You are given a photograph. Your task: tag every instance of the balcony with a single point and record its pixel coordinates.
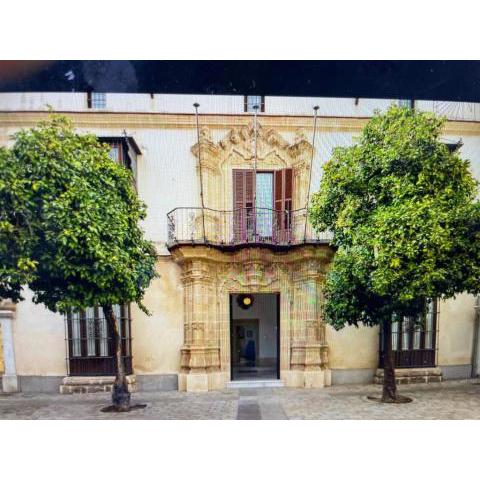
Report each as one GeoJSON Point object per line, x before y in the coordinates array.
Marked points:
{"type": "Point", "coordinates": [229, 229]}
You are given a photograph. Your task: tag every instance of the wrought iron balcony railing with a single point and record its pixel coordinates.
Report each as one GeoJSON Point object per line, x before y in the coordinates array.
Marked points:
{"type": "Point", "coordinates": [229, 228]}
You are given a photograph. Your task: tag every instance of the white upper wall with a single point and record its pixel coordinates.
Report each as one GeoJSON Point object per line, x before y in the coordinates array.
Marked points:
{"type": "Point", "coordinates": [468, 111]}
{"type": "Point", "coordinates": [63, 101]}
{"type": "Point", "coordinates": [122, 102]}
{"type": "Point", "coordinates": [332, 107]}
{"type": "Point", "coordinates": [226, 104]}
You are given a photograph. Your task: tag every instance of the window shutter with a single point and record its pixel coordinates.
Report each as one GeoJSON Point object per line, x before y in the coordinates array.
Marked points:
{"type": "Point", "coordinates": [249, 188]}
{"type": "Point", "coordinates": [243, 195]}
{"type": "Point", "coordinates": [283, 189]}
{"type": "Point", "coordinates": [278, 189]}
{"type": "Point", "coordinates": [243, 188]}
{"type": "Point", "coordinates": [288, 181]}
{"type": "Point", "coordinates": [238, 190]}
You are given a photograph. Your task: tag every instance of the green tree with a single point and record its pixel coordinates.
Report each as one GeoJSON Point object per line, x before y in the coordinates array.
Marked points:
{"type": "Point", "coordinates": [82, 214]}
{"type": "Point", "coordinates": [16, 265]}
{"type": "Point", "coordinates": [402, 209]}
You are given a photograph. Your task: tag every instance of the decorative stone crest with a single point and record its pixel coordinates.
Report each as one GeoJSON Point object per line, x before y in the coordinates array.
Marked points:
{"type": "Point", "coordinates": [236, 150]}
{"type": "Point", "coordinates": [241, 140]}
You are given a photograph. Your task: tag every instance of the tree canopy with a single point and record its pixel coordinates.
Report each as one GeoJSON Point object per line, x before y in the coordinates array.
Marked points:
{"type": "Point", "coordinates": [16, 264]}
{"type": "Point", "coordinates": [80, 213]}
{"type": "Point", "coordinates": [402, 208]}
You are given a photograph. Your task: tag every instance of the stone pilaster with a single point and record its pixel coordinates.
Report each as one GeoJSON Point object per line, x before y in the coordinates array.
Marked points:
{"type": "Point", "coordinates": [200, 354]}
{"type": "Point", "coordinates": [308, 360]}
{"type": "Point", "coordinates": [9, 378]}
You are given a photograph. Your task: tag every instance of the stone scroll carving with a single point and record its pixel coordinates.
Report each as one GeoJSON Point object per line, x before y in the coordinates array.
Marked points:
{"type": "Point", "coordinates": [236, 150]}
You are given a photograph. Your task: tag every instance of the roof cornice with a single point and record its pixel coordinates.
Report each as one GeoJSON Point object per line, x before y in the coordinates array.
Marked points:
{"type": "Point", "coordinates": [132, 120]}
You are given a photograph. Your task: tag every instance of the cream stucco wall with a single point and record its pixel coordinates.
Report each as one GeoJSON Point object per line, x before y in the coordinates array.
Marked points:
{"type": "Point", "coordinates": [455, 330]}
{"type": "Point", "coordinates": [39, 339]}
{"type": "Point", "coordinates": [157, 339]}
{"type": "Point", "coordinates": [353, 347]}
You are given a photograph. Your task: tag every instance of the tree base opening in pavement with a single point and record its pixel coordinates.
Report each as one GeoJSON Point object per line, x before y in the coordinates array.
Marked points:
{"type": "Point", "coordinates": [399, 399]}
{"type": "Point", "coordinates": [115, 408]}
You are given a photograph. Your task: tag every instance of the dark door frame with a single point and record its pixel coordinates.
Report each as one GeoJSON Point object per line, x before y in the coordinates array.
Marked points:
{"type": "Point", "coordinates": [277, 306]}
{"type": "Point", "coordinates": [277, 295]}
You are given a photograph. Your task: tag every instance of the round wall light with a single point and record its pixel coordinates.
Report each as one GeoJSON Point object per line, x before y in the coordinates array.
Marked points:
{"type": "Point", "coordinates": [245, 301]}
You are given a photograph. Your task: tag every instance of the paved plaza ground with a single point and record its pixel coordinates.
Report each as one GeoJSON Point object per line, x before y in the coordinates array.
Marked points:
{"type": "Point", "coordinates": [448, 400]}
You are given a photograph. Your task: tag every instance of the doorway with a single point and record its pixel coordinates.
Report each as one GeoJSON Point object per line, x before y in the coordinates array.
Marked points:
{"type": "Point", "coordinates": [254, 336]}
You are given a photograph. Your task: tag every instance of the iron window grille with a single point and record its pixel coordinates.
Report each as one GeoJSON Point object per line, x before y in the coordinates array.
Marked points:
{"type": "Point", "coordinates": [90, 344]}
{"type": "Point", "coordinates": [97, 100]}
{"type": "Point", "coordinates": [414, 341]}
{"type": "Point", "coordinates": [251, 100]}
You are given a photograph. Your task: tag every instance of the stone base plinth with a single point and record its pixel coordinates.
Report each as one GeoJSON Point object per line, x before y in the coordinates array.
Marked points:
{"type": "Point", "coordinates": [307, 378]}
{"type": "Point", "coordinates": [93, 384]}
{"type": "Point", "coordinates": [202, 382]}
{"type": "Point", "coordinates": [412, 375]}
{"type": "Point", "coordinates": [9, 383]}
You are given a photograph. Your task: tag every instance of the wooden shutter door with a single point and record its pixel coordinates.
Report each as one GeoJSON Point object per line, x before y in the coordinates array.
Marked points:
{"type": "Point", "coordinates": [283, 193]}
{"type": "Point", "coordinates": [243, 194]}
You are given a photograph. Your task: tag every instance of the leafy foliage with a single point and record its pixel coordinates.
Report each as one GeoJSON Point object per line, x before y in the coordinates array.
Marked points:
{"type": "Point", "coordinates": [405, 220]}
{"type": "Point", "coordinates": [82, 214]}
{"type": "Point", "coordinates": [16, 264]}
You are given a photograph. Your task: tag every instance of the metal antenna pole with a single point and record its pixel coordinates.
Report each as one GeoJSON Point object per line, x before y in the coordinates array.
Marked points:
{"type": "Point", "coordinates": [315, 111]}
{"type": "Point", "coordinates": [255, 109]}
{"type": "Point", "coordinates": [196, 105]}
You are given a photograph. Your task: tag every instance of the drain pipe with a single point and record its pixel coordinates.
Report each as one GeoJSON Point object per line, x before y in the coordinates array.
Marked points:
{"type": "Point", "coordinates": [474, 372]}
{"type": "Point", "coordinates": [196, 105]}
{"type": "Point", "coordinates": [315, 112]}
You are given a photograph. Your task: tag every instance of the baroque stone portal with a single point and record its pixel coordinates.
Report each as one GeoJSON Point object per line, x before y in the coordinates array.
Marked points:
{"type": "Point", "coordinates": [209, 276]}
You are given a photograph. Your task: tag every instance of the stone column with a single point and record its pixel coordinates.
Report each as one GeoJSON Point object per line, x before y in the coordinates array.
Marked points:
{"type": "Point", "coordinates": [9, 378]}
{"type": "Point", "coordinates": [200, 355]}
{"type": "Point", "coordinates": [308, 364]}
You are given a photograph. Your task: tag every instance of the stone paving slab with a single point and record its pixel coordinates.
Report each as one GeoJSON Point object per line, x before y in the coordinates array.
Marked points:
{"type": "Point", "coordinates": [447, 400]}
{"type": "Point", "coordinates": [248, 410]}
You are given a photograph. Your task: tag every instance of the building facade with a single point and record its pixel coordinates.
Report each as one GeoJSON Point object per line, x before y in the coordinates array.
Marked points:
{"type": "Point", "coordinates": [241, 271]}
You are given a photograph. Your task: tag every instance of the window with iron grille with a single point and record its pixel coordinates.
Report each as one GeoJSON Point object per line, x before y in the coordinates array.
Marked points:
{"type": "Point", "coordinates": [414, 340]}
{"type": "Point", "coordinates": [90, 343]}
{"type": "Point", "coordinates": [97, 100]}
{"type": "Point", "coordinates": [251, 101]}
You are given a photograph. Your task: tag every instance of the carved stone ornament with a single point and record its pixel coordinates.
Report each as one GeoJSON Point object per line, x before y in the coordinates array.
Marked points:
{"type": "Point", "coordinates": [212, 275]}
{"type": "Point", "coordinates": [241, 141]}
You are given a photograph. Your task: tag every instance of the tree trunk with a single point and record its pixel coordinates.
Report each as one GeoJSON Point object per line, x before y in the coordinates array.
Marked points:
{"type": "Point", "coordinates": [389, 394]}
{"type": "Point", "coordinates": [120, 393]}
